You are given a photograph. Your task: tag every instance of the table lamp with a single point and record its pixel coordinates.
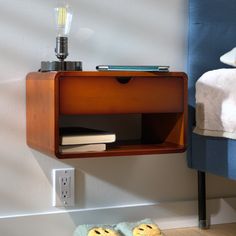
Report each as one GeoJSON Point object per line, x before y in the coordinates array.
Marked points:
{"type": "Point", "coordinates": [63, 17]}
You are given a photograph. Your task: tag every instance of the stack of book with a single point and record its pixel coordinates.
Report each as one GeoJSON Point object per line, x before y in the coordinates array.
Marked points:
{"type": "Point", "coordinates": [81, 139]}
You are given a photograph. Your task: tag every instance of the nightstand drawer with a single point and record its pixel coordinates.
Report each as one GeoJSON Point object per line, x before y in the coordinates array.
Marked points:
{"type": "Point", "coordinates": [120, 95]}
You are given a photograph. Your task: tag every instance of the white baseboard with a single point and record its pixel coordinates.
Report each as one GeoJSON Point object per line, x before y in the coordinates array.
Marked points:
{"type": "Point", "coordinates": [166, 215]}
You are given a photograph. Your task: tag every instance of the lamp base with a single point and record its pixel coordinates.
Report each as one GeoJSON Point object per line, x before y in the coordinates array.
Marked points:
{"type": "Point", "coordinates": [47, 66]}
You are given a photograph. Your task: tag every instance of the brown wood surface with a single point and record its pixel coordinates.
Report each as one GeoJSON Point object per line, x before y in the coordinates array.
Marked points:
{"type": "Point", "coordinates": [125, 150]}
{"type": "Point", "coordinates": [167, 127]}
{"type": "Point", "coordinates": [105, 95]}
{"type": "Point", "coordinates": [161, 98]}
{"type": "Point", "coordinates": [42, 112]}
{"type": "Point", "coordinates": [163, 127]}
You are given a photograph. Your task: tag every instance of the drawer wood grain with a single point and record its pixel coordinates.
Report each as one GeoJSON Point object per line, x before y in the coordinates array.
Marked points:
{"type": "Point", "coordinates": [109, 96]}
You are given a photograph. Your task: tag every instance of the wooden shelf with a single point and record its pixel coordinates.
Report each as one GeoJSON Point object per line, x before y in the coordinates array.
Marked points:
{"type": "Point", "coordinates": [160, 99]}
{"type": "Point", "coordinates": [125, 150]}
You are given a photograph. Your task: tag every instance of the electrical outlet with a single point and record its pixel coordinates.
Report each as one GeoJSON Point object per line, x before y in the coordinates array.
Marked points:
{"type": "Point", "coordinates": [63, 187]}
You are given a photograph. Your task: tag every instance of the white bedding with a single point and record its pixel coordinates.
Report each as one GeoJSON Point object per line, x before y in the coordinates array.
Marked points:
{"type": "Point", "coordinates": [229, 58]}
{"type": "Point", "coordinates": [216, 103]}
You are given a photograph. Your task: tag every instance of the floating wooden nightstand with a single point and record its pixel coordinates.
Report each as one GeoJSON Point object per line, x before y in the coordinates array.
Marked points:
{"type": "Point", "coordinates": [159, 98]}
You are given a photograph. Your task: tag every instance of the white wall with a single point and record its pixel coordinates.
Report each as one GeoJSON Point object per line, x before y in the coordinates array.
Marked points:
{"type": "Point", "coordinates": [103, 32]}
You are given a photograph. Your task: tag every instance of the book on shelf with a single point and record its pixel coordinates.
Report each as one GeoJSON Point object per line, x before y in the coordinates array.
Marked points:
{"type": "Point", "coordinates": [98, 147]}
{"type": "Point", "coordinates": [82, 135]}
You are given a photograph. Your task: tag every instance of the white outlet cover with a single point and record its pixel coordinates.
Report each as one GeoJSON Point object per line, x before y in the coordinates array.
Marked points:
{"type": "Point", "coordinates": [63, 187]}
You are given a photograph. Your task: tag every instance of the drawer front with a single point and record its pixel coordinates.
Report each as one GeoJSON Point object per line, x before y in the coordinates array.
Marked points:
{"type": "Point", "coordinates": [111, 95]}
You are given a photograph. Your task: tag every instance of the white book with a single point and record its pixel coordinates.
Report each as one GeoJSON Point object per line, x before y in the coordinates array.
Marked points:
{"type": "Point", "coordinates": [82, 148]}
{"type": "Point", "coordinates": [81, 135]}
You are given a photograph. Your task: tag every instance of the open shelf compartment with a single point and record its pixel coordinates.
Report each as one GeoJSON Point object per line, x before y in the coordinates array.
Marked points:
{"type": "Point", "coordinates": [136, 134]}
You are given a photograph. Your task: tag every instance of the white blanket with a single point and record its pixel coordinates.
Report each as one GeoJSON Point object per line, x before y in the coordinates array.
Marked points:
{"type": "Point", "coordinates": [216, 104]}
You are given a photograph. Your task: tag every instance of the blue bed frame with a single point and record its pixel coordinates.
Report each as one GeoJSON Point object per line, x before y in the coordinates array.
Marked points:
{"type": "Point", "coordinates": [212, 32]}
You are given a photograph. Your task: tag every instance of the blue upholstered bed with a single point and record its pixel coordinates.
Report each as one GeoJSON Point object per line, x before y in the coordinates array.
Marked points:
{"type": "Point", "coordinates": [212, 32]}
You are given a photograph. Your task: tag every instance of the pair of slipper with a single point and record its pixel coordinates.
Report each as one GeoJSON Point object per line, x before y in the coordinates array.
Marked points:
{"type": "Point", "coordinates": [141, 228]}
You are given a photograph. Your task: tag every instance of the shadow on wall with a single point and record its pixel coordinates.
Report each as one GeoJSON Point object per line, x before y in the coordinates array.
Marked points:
{"type": "Point", "coordinates": [25, 36]}
{"type": "Point", "coordinates": [99, 34]}
{"type": "Point", "coordinates": [117, 36]}
{"type": "Point", "coordinates": [130, 186]}
{"type": "Point", "coordinates": [135, 180]}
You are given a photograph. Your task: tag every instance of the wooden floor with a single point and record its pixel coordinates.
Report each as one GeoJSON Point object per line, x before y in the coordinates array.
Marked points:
{"type": "Point", "coordinates": [214, 230]}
